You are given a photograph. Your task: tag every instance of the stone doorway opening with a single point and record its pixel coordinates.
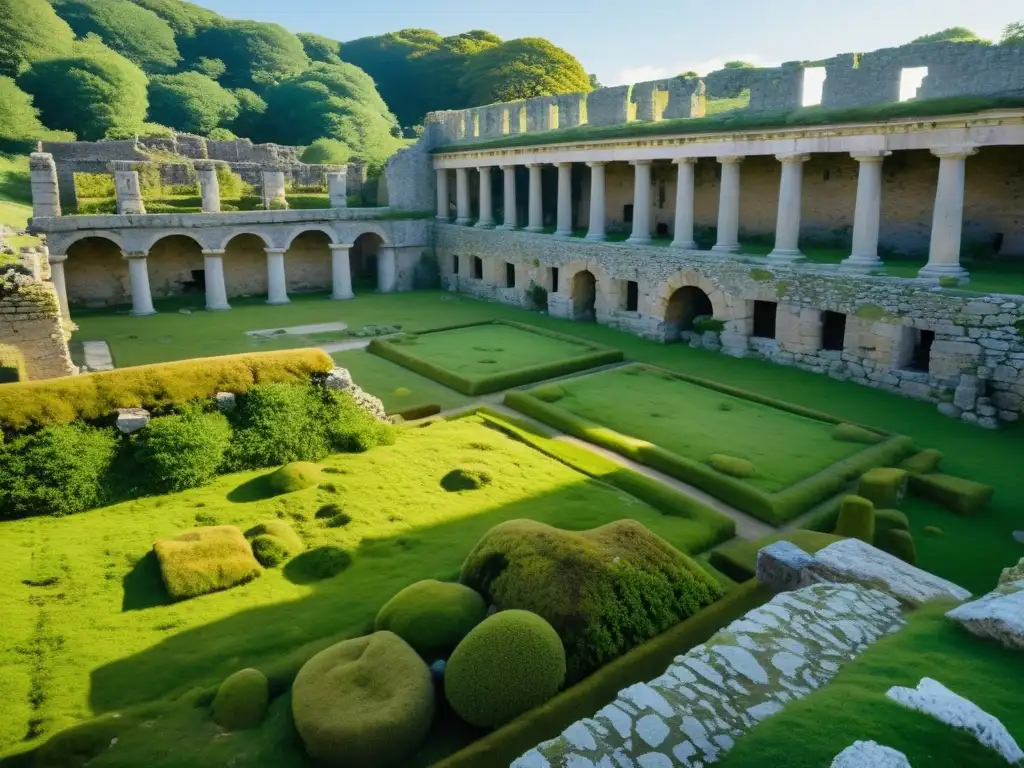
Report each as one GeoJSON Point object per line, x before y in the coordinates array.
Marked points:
{"type": "Point", "coordinates": [684, 306]}
{"type": "Point", "coordinates": [584, 296]}
{"type": "Point", "coordinates": [363, 261]}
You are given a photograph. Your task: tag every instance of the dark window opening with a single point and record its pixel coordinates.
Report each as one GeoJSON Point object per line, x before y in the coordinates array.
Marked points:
{"type": "Point", "coordinates": [455, 265]}
{"type": "Point", "coordinates": [661, 229]}
{"type": "Point", "coordinates": [632, 295]}
{"type": "Point", "coordinates": [510, 275]}
{"type": "Point", "coordinates": [554, 280]}
{"type": "Point", "coordinates": [627, 213]}
{"type": "Point", "coordinates": [921, 359]}
{"type": "Point", "coordinates": [833, 330]}
{"type": "Point", "coordinates": [764, 319]}
{"type": "Point", "coordinates": [198, 282]}
{"type": "Point", "coordinates": [478, 268]}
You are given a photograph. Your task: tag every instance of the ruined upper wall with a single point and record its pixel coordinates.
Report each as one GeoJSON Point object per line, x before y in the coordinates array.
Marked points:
{"type": "Point", "coordinates": [852, 80]}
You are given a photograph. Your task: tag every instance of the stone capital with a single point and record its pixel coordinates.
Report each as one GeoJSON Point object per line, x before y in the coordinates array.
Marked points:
{"type": "Point", "coordinates": [685, 161]}
{"type": "Point", "coordinates": [871, 156]}
{"type": "Point", "coordinates": [57, 258]}
{"type": "Point", "coordinates": [41, 161]}
{"type": "Point", "coordinates": [340, 246]}
{"type": "Point", "coordinates": [508, 166]}
{"type": "Point", "coordinates": [960, 151]}
{"type": "Point", "coordinates": [484, 168]}
{"type": "Point", "coordinates": [133, 255]}
{"type": "Point", "coordinates": [596, 163]}
{"type": "Point", "coordinates": [213, 252]}
{"type": "Point", "coordinates": [122, 166]}
{"type": "Point", "coordinates": [730, 159]}
{"type": "Point", "coordinates": [793, 157]}
{"type": "Point", "coordinates": [640, 162]}
{"type": "Point", "coordinates": [275, 251]}
{"type": "Point", "coordinates": [563, 164]}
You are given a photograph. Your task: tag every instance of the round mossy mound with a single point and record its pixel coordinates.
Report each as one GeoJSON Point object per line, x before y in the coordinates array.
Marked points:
{"type": "Point", "coordinates": [510, 663]}
{"type": "Point", "coordinates": [327, 511]}
{"type": "Point", "coordinates": [889, 519]}
{"type": "Point", "coordinates": [432, 616]}
{"type": "Point", "coordinates": [851, 433]}
{"type": "Point", "coordinates": [733, 466]}
{"type": "Point", "coordinates": [281, 530]}
{"type": "Point", "coordinates": [242, 700]}
{"type": "Point", "coordinates": [297, 476]}
{"type": "Point", "coordinates": [856, 519]}
{"type": "Point", "coordinates": [364, 703]}
{"type": "Point", "coordinates": [269, 551]}
{"type": "Point", "coordinates": [604, 591]}
{"type": "Point", "coordinates": [317, 564]}
{"type": "Point", "coordinates": [897, 543]}
{"type": "Point", "coordinates": [465, 480]}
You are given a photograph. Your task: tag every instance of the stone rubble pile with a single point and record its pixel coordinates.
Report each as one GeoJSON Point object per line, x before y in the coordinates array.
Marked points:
{"type": "Point", "coordinates": [340, 379]}
{"type": "Point", "coordinates": [868, 754]}
{"type": "Point", "coordinates": [999, 615]}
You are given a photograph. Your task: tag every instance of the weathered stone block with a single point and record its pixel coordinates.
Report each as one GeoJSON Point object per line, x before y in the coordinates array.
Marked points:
{"type": "Point", "coordinates": [780, 566]}
{"type": "Point", "coordinates": [131, 420]}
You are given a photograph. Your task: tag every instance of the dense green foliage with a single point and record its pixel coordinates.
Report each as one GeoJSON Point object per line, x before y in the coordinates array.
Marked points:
{"type": "Point", "coordinates": [365, 703]}
{"type": "Point", "coordinates": [205, 560]}
{"type": "Point", "coordinates": [326, 152]}
{"type": "Point", "coordinates": [190, 102]}
{"type": "Point", "coordinates": [251, 108]}
{"type": "Point", "coordinates": [183, 17]}
{"type": "Point", "coordinates": [951, 35]}
{"type": "Point", "coordinates": [604, 591]}
{"type": "Point", "coordinates": [255, 54]}
{"type": "Point", "coordinates": [18, 118]}
{"type": "Point", "coordinates": [89, 92]}
{"type": "Point", "coordinates": [521, 69]}
{"type": "Point", "coordinates": [30, 31]}
{"type": "Point", "coordinates": [241, 700]}
{"type": "Point", "coordinates": [432, 616]}
{"type": "Point", "coordinates": [510, 663]}
{"type": "Point", "coordinates": [55, 471]}
{"type": "Point", "coordinates": [856, 519]}
{"type": "Point", "coordinates": [136, 33]}
{"type": "Point", "coordinates": [1013, 33]}
{"type": "Point", "coordinates": [182, 451]}
{"type": "Point", "coordinates": [320, 48]}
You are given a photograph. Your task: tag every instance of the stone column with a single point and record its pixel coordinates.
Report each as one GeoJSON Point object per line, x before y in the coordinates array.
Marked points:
{"type": "Point", "coordinates": [387, 270]}
{"type": "Point", "coordinates": [126, 187]}
{"type": "Point", "coordinates": [45, 190]}
{"type": "Point", "coordinates": [948, 217]}
{"type": "Point", "coordinates": [683, 237]}
{"type": "Point", "coordinates": [867, 214]}
{"type": "Point", "coordinates": [57, 278]}
{"type": "Point", "coordinates": [442, 194]}
{"type": "Point", "coordinates": [641, 234]}
{"type": "Point", "coordinates": [597, 205]}
{"type": "Point", "coordinates": [341, 271]}
{"type": "Point", "coordinates": [729, 206]}
{"type": "Point", "coordinates": [787, 223]}
{"type": "Point", "coordinates": [138, 274]}
{"type": "Point", "coordinates": [535, 221]}
{"type": "Point", "coordinates": [209, 187]}
{"type": "Point", "coordinates": [563, 216]}
{"type": "Point", "coordinates": [486, 218]}
{"type": "Point", "coordinates": [337, 188]}
{"type": "Point", "coordinates": [216, 288]}
{"type": "Point", "coordinates": [511, 215]}
{"type": "Point", "coordinates": [462, 204]}
{"type": "Point", "coordinates": [277, 284]}
{"type": "Point", "coordinates": [273, 189]}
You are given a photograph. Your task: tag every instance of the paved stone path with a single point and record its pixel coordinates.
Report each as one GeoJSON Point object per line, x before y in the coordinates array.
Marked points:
{"type": "Point", "coordinates": [97, 356]}
{"type": "Point", "coordinates": [299, 330]}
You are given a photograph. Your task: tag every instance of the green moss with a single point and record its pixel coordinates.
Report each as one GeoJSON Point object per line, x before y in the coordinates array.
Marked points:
{"type": "Point", "coordinates": [242, 700]}
{"type": "Point", "coordinates": [510, 663]}
{"type": "Point", "coordinates": [949, 282]}
{"type": "Point", "coordinates": [708, 324]}
{"type": "Point", "coordinates": [890, 519]}
{"type": "Point", "coordinates": [782, 288]}
{"type": "Point", "coordinates": [737, 559]}
{"type": "Point", "coordinates": [957, 494]}
{"type": "Point", "coordinates": [269, 551]}
{"type": "Point", "coordinates": [465, 480]}
{"type": "Point", "coordinates": [604, 591]}
{"type": "Point", "coordinates": [279, 530]}
{"type": "Point", "coordinates": [732, 465]}
{"type": "Point", "coordinates": [884, 487]}
{"type": "Point", "coordinates": [898, 543]}
{"type": "Point", "coordinates": [296, 476]}
{"type": "Point", "coordinates": [549, 393]}
{"type": "Point", "coordinates": [870, 312]}
{"type": "Point", "coordinates": [933, 530]}
{"type": "Point", "coordinates": [851, 433]}
{"type": "Point", "coordinates": [81, 743]}
{"type": "Point", "coordinates": [205, 560]}
{"type": "Point", "coordinates": [857, 519]}
{"type": "Point", "coordinates": [432, 616]}
{"type": "Point", "coordinates": [761, 275]}
{"type": "Point", "coordinates": [923, 462]}
{"type": "Point", "coordinates": [317, 564]}
{"type": "Point", "coordinates": [1019, 325]}
{"type": "Point", "coordinates": [364, 703]}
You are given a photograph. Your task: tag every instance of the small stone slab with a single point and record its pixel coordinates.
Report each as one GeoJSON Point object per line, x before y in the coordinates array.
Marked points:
{"type": "Point", "coordinates": [97, 356]}
{"type": "Point", "coordinates": [999, 615]}
{"type": "Point", "coordinates": [299, 330]}
{"type": "Point", "coordinates": [868, 754]}
{"type": "Point", "coordinates": [780, 566]}
{"type": "Point", "coordinates": [933, 698]}
{"type": "Point", "coordinates": [339, 378]}
{"type": "Point", "coordinates": [853, 560]}
{"type": "Point", "coordinates": [225, 401]}
{"type": "Point", "coordinates": [1018, 536]}
{"type": "Point", "coordinates": [131, 420]}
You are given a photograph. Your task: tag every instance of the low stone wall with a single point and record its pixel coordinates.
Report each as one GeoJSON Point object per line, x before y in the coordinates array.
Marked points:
{"type": "Point", "coordinates": [975, 366]}
{"type": "Point", "coordinates": [33, 325]}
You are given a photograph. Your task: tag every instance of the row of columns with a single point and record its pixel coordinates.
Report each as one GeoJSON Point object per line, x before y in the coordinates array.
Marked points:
{"type": "Point", "coordinates": [947, 219]}
{"type": "Point", "coordinates": [216, 288]}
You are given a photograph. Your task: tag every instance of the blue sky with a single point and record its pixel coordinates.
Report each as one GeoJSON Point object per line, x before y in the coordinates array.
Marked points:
{"type": "Point", "coordinates": [632, 40]}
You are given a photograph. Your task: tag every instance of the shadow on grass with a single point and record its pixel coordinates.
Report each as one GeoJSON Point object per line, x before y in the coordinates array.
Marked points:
{"type": "Point", "coordinates": [144, 586]}
{"type": "Point", "coordinates": [317, 565]}
{"type": "Point", "coordinates": [257, 489]}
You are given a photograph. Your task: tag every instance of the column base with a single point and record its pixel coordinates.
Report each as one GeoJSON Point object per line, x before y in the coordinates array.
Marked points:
{"type": "Point", "coordinates": [861, 265]}
{"type": "Point", "coordinates": [689, 244]}
{"type": "Point", "coordinates": [563, 233]}
{"type": "Point", "coordinates": [534, 229]}
{"type": "Point", "coordinates": [506, 228]}
{"type": "Point", "coordinates": [726, 247]}
{"type": "Point", "coordinates": [343, 297]}
{"type": "Point", "coordinates": [786, 256]}
{"type": "Point", "coordinates": [218, 308]}
{"type": "Point", "coordinates": [142, 313]}
{"type": "Point", "coordinates": [638, 240]}
{"type": "Point", "coordinates": [484, 225]}
{"type": "Point", "coordinates": [463, 222]}
{"type": "Point", "coordinates": [444, 218]}
{"type": "Point", "coordinates": [936, 274]}
{"type": "Point", "coordinates": [278, 302]}
{"type": "Point", "coordinates": [597, 237]}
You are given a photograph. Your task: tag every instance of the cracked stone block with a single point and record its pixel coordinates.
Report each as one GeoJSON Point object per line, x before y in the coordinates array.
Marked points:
{"type": "Point", "coordinates": [225, 401]}
{"type": "Point", "coordinates": [999, 615]}
{"type": "Point", "coordinates": [131, 420]}
{"type": "Point", "coordinates": [780, 566]}
{"type": "Point", "coordinates": [868, 754]}
{"type": "Point", "coordinates": [339, 378]}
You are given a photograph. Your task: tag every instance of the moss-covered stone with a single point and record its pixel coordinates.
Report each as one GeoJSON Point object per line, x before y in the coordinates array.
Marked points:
{"type": "Point", "coordinates": [604, 591]}
{"type": "Point", "coordinates": [364, 703]}
{"type": "Point", "coordinates": [432, 616]}
{"type": "Point", "coordinates": [870, 312]}
{"type": "Point", "coordinates": [857, 519]}
{"type": "Point", "coordinates": [733, 466]}
{"type": "Point", "coordinates": [273, 542]}
{"type": "Point", "coordinates": [851, 433]}
{"type": "Point", "coordinates": [1010, 575]}
{"type": "Point", "coordinates": [897, 543]}
{"type": "Point", "coordinates": [512, 662]}
{"type": "Point", "coordinates": [296, 476]}
{"type": "Point", "coordinates": [884, 487]}
{"type": "Point", "coordinates": [82, 743]}
{"type": "Point", "coordinates": [887, 519]}
{"type": "Point", "coordinates": [242, 700]}
{"type": "Point", "coordinates": [205, 560]}
{"type": "Point", "coordinates": [317, 564]}
{"type": "Point", "coordinates": [923, 462]}
{"type": "Point", "coordinates": [761, 275]}
{"type": "Point", "coordinates": [465, 480]}
{"type": "Point", "coordinates": [957, 494]}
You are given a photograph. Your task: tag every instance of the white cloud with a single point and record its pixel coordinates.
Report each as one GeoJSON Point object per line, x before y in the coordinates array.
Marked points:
{"type": "Point", "coordinates": [652, 72]}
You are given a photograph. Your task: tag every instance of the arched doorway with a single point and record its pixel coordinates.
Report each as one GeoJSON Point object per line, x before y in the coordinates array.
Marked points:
{"type": "Point", "coordinates": [176, 267]}
{"type": "Point", "coordinates": [363, 261]}
{"type": "Point", "coordinates": [684, 306]}
{"type": "Point", "coordinates": [96, 274]}
{"type": "Point", "coordinates": [308, 262]}
{"type": "Point", "coordinates": [584, 296]}
{"type": "Point", "coordinates": [245, 266]}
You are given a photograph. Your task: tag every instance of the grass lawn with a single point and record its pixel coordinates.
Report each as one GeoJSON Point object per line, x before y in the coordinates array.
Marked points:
{"type": "Point", "coordinates": [87, 624]}
{"type": "Point", "coordinates": [397, 387]}
{"type": "Point", "coordinates": [695, 422]}
{"type": "Point", "coordinates": [804, 736]}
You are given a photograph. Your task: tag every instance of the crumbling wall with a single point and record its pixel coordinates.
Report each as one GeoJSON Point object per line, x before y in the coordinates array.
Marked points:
{"type": "Point", "coordinates": [30, 321]}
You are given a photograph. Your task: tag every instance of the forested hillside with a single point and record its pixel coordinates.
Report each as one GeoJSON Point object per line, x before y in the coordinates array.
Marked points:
{"type": "Point", "coordinates": [98, 69]}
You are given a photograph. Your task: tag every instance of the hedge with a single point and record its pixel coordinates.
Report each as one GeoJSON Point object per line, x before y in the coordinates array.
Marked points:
{"type": "Point", "coordinates": [12, 365]}
{"type": "Point", "coordinates": [965, 497]}
{"type": "Point", "coordinates": [96, 395]}
{"type": "Point", "coordinates": [644, 662]}
{"type": "Point", "coordinates": [599, 355]}
{"type": "Point", "coordinates": [416, 412]}
{"type": "Point", "coordinates": [775, 508]}
{"type": "Point", "coordinates": [738, 559]}
{"type": "Point", "coordinates": [857, 519]}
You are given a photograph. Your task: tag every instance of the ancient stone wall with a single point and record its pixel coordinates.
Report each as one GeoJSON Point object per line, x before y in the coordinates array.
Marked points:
{"type": "Point", "coordinates": [33, 324]}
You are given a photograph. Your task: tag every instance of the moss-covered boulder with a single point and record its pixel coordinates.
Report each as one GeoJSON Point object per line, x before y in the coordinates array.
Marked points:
{"type": "Point", "coordinates": [205, 560]}
{"type": "Point", "coordinates": [733, 466]}
{"type": "Point", "coordinates": [364, 703]}
{"type": "Point", "coordinates": [898, 543]}
{"type": "Point", "coordinates": [432, 616]}
{"type": "Point", "coordinates": [296, 476]}
{"type": "Point", "coordinates": [241, 701]}
{"type": "Point", "coordinates": [512, 662]}
{"type": "Point", "coordinates": [465, 480]}
{"type": "Point", "coordinates": [851, 433]}
{"type": "Point", "coordinates": [889, 519]}
{"type": "Point", "coordinates": [884, 487]}
{"type": "Point", "coordinates": [856, 519]}
{"type": "Point", "coordinates": [923, 462]}
{"type": "Point", "coordinates": [273, 542]}
{"type": "Point", "coordinates": [604, 591]}
{"type": "Point", "coordinates": [957, 494]}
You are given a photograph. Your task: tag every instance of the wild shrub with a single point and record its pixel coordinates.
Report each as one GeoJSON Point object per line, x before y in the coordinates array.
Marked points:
{"type": "Point", "coordinates": [277, 424]}
{"type": "Point", "coordinates": [347, 426]}
{"type": "Point", "coordinates": [184, 450]}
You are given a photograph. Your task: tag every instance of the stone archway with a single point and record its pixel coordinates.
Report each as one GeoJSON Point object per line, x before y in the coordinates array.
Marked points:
{"type": "Point", "coordinates": [245, 266]}
{"type": "Point", "coordinates": [363, 261]}
{"type": "Point", "coordinates": [583, 294]}
{"type": "Point", "coordinates": [96, 274]}
{"type": "Point", "coordinates": [176, 267]}
{"type": "Point", "coordinates": [308, 262]}
{"type": "Point", "coordinates": [684, 305]}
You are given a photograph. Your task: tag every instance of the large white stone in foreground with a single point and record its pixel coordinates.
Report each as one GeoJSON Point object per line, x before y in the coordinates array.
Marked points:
{"type": "Point", "coordinates": [853, 560]}
{"type": "Point", "coordinates": [868, 754]}
{"type": "Point", "coordinates": [998, 615]}
{"type": "Point", "coordinates": [933, 698]}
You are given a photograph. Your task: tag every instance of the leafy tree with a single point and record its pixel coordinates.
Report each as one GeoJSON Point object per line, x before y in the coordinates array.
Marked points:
{"type": "Point", "coordinates": [1013, 33]}
{"type": "Point", "coordinates": [326, 152]}
{"type": "Point", "coordinates": [320, 48]}
{"type": "Point", "coordinates": [446, 65]}
{"type": "Point", "coordinates": [331, 101]}
{"type": "Point", "coordinates": [594, 82]}
{"type": "Point", "coordinates": [30, 31]}
{"type": "Point", "coordinates": [212, 68]}
{"type": "Point", "coordinates": [221, 134]}
{"type": "Point", "coordinates": [521, 69]}
{"type": "Point", "coordinates": [136, 33]}
{"type": "Point", "coordinates": [184, 18]}
{"type": "Point", "coordinates": [190, 102]}
{"type": "Point", "coordinates": [18, 118]}
{"type": "Point", "coordinates": [951, 35]}
{"type": "Point", "coordinates": [147, 130]}
{"type": "Point", "coordinates": [737, 64]}
{"type": "Point", "coordinates": [257, 55]}
{"type": "Point", "coordinates": [689, 73]}
{"type": "Point", "coordinates": [251, 108]}
{"type": "Point", "coordinates": [89, 92]}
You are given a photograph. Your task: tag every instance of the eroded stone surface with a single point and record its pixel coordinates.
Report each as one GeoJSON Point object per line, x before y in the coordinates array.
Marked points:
{"type": "Point", "coordinates": [868, 754]}
{"type": "Point", "coordinates": [341, 380]}
{"type": "Point", "coordinates": [780, 565]}
{"type": "Point", "coordinates": [998, 615]}
{"type": "Point", "coordinates": [131, 420]}
{"type": "Point", "coordinates": [933, 698]}
{"type": "Point", "coordinates": [692, 714]}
